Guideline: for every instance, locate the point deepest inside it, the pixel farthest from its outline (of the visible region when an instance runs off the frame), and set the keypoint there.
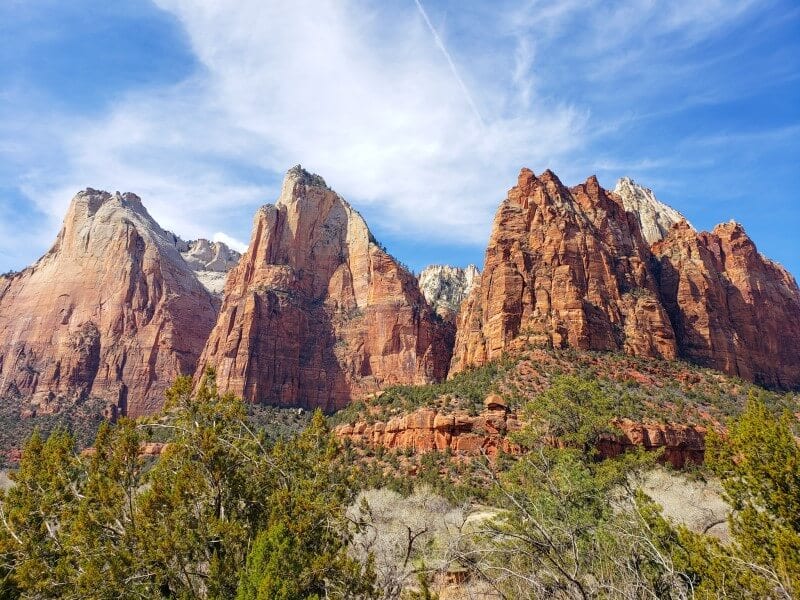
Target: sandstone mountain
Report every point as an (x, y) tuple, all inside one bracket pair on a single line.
[(211, 261), (570, 267), (111, 311), (731, 308), (655, 217), (564, 267), (445, 288), (316, 313)]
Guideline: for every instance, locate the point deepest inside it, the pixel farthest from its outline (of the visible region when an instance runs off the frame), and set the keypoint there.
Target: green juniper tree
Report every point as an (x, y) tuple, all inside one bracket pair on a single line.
[(34, 513), (568, 528), (218, 507), (302, 551)]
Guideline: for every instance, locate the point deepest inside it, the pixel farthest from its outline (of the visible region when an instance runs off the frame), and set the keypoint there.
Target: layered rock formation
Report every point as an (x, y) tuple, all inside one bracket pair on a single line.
[(680, 444), (446, 287), (316, 313), (731, 308), (564, 267), (655, 217), (211, 261), (426, 430), (112, 311), (571, 267)]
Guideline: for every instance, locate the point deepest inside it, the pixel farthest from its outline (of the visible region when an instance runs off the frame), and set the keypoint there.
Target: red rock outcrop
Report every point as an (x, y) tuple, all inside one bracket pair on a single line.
[(316, 313), (564, 267), (570, 268), (112, 311), (731, 308), (146, 450), (681, 444), (427, 429)]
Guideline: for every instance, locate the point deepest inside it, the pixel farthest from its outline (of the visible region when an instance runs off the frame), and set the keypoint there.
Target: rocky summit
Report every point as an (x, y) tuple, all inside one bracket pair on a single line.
[(445, 288), (572, 267), (211, 261), (111, 311), (732, 309), (655, 218), (316, 313), (564, 267)]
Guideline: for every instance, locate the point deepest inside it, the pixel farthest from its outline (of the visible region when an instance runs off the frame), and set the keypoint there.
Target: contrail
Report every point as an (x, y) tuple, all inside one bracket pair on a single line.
[(453, 68)]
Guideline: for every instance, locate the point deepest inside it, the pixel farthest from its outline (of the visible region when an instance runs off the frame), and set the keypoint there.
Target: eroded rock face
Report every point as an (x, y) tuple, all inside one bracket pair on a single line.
[(427, 429), (570, 267), (316, 314), (680, 444), (446, 287), (731, 308), (564, 267), (211, 261), (655, 217), (203, 255), (111, 311)]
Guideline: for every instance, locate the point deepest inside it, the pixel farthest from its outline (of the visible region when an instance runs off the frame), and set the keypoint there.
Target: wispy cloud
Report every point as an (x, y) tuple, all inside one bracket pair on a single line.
[(453, 68), (416, 124), (360, 97)]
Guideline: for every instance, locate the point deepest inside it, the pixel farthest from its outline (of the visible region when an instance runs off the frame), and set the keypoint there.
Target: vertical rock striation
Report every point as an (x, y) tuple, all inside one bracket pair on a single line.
[(564, 267), (570, 267), (316, 313), (446, 287), (731, 308), (112, 311)]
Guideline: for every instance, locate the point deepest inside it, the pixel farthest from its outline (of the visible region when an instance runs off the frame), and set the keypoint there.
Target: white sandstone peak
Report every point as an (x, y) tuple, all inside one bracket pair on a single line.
[(655, 217), (445, 287)]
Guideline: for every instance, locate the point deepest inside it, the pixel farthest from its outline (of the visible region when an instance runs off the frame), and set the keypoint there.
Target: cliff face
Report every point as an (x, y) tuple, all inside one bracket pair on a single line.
[(111, 311), (564, 267), (570, 267), (426, 430), (446, 287), (316, 313), (655, 218), (732, 309), (211, 262)]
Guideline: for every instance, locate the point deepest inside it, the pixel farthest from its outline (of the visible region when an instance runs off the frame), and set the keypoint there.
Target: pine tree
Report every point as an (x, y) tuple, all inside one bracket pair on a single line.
[(759, 464), (302, 552), (35, 512), (204, 496)]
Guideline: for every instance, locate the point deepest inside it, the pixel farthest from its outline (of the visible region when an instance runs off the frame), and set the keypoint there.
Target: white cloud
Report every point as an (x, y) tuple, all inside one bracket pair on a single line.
[(231, 242), (364, 95), (367, 100)]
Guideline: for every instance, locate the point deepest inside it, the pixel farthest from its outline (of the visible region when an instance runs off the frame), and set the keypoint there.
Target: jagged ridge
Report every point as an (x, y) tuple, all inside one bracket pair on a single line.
[(571, 267), (316, 313), (110, 311)]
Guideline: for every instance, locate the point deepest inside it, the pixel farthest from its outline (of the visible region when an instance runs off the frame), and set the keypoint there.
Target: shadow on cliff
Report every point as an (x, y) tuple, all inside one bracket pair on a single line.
[(735, 340)]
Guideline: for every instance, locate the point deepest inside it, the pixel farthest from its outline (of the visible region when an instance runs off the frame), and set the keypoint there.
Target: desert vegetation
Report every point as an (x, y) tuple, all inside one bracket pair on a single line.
[(227, 511)]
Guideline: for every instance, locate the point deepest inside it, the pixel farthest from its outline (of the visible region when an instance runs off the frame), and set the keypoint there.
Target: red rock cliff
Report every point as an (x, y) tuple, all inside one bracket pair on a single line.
[(564, 267), (316, 313), (427, 429), (732, 309), (111, 311)]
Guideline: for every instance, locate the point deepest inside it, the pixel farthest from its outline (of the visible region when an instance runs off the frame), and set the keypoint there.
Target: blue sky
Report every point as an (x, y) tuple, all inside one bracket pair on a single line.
[(419, 113)]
